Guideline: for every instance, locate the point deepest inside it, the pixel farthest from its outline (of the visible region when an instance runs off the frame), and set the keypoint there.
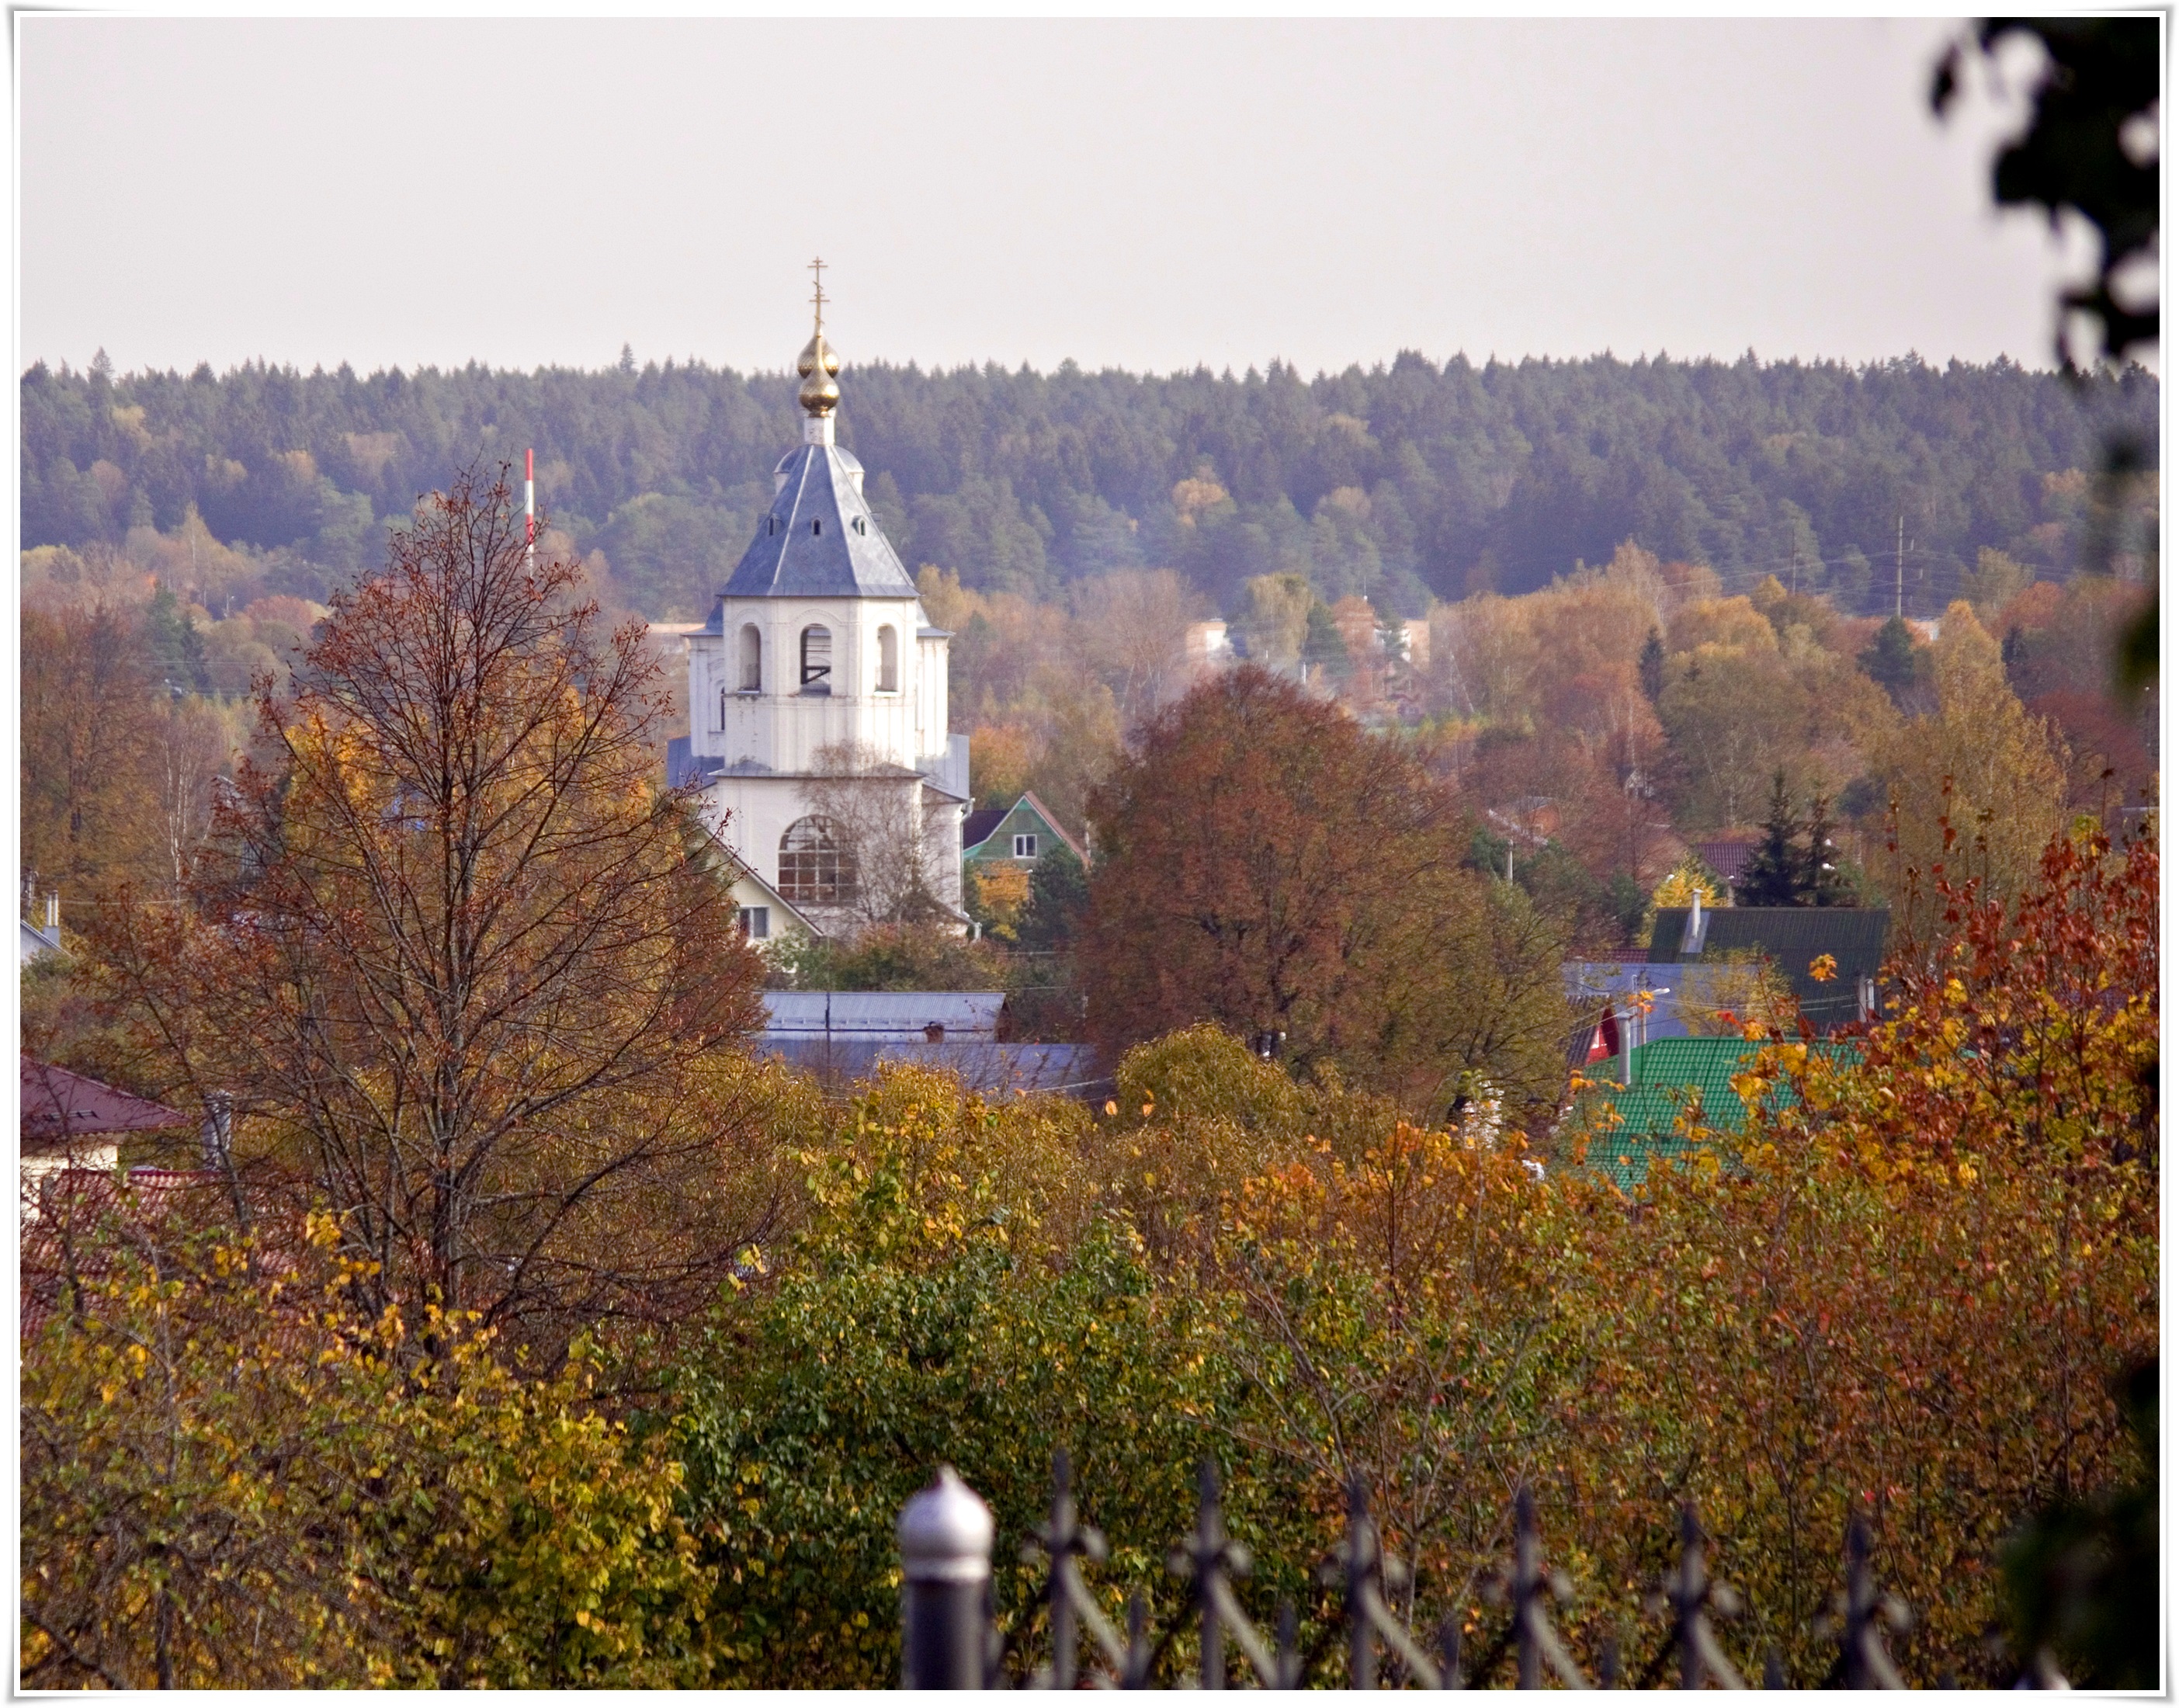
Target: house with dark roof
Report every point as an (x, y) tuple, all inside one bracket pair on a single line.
[(69, 1122), (1018, 835), (1726, 856), (1792, 940)]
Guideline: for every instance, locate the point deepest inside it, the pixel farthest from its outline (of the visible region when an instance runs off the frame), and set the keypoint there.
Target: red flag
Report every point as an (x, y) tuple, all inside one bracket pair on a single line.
[(1606, 1044)]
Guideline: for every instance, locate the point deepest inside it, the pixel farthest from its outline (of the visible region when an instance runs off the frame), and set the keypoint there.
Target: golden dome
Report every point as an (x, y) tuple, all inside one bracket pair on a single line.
[(815, 351), (820, 393)]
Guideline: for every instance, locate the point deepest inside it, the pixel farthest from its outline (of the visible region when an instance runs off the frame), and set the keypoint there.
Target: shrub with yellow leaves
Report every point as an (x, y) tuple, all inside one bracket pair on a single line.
[(229, 1482)]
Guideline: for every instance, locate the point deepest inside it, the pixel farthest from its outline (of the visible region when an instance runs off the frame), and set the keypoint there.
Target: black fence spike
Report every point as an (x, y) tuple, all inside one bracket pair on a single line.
[(1448, 1652), (1361, 1564), (1363, 1573)]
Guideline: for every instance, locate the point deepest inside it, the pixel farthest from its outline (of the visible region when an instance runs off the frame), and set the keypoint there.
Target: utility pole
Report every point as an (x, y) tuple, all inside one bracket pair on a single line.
[(1899, 570)]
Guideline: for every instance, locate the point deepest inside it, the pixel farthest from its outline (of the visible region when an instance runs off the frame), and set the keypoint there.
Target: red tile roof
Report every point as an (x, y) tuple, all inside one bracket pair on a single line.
[(58, 1105)]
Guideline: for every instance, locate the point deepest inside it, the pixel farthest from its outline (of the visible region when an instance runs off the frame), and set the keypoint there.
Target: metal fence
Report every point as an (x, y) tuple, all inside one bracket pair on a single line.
[(951, 1642)]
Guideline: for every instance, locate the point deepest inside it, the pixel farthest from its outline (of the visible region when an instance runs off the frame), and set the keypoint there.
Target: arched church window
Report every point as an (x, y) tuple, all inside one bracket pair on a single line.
[(817, 658), (859, 525), (888, 660), (816, 524), (752, 659), (815, 864)]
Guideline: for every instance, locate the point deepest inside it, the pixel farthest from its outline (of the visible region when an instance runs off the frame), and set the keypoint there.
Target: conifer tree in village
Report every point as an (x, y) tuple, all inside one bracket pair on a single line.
[(1777, 873), (1823, 884), (449, 953), (1650, 666)]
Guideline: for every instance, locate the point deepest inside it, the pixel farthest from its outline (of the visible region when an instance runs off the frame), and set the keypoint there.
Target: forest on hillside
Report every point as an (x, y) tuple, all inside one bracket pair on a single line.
[(1403, 484)]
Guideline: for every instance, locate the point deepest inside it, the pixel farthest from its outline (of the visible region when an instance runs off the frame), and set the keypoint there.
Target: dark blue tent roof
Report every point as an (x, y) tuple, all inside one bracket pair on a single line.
[(819, 540)]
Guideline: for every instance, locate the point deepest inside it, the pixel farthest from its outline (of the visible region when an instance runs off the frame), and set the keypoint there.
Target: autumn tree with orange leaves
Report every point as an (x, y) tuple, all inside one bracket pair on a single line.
[(456, 957), (1267, 864)]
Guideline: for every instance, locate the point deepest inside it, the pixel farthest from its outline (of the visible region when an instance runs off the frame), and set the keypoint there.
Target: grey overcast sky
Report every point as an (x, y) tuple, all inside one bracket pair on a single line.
[(1147, 195)]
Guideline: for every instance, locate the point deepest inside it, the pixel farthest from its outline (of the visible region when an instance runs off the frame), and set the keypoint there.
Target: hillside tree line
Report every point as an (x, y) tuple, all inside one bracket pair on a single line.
[(1403, 483)]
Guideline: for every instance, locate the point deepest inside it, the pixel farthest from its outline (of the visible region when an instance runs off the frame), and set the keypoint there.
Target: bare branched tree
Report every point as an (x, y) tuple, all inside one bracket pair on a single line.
[(188, 752), (448, 953), (874, 811), (1135, 627)]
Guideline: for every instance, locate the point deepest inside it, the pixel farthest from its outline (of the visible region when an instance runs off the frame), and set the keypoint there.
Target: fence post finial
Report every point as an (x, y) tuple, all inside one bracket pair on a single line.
[(945, 1534)]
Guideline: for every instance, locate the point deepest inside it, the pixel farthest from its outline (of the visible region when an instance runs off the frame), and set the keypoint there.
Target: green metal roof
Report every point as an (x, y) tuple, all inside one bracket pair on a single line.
[(1674, 1077)]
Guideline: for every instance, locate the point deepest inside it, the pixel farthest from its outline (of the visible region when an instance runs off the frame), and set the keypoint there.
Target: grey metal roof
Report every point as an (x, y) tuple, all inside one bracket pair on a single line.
[(807, 545), (1591, 984), (880, 1016), (684, 767), (986, 1068)]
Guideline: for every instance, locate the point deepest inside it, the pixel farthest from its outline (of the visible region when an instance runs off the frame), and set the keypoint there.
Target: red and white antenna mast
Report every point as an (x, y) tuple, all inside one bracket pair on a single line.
[(529, 506)]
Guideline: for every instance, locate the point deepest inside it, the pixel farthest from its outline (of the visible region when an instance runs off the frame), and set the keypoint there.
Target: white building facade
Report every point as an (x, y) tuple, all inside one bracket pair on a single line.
[(819, 669)]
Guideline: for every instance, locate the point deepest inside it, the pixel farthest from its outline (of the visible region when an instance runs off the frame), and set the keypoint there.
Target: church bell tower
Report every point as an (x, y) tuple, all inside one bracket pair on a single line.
[(817, 654)]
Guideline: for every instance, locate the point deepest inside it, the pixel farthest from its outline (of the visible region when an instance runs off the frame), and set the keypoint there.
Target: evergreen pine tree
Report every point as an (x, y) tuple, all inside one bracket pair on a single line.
[(1890, 659), (1773, 875), (1651, 664), (1824, 882), (177, 650), (1322, 644)]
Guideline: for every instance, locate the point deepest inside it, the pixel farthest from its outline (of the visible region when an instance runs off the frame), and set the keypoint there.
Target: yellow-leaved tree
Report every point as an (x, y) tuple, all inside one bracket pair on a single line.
[(1980, 785)]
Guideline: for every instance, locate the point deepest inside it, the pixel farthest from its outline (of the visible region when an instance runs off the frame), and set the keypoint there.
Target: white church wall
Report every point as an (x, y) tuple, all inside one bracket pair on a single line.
[(782, 726)]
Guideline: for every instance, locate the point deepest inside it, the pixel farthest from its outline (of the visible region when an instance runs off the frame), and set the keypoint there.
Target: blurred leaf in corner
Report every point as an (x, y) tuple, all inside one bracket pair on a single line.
[(2091, 146)]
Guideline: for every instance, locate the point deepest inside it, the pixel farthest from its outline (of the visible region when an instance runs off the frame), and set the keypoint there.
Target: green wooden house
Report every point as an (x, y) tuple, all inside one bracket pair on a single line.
[(1019, 835), (1669, 1079)]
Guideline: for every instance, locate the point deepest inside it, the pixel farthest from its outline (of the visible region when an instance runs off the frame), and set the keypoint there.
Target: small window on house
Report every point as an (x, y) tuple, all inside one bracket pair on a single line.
[(771, 524), (816, 659), (1025, 847), (756, 923), (752, 659), (888, 660)]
